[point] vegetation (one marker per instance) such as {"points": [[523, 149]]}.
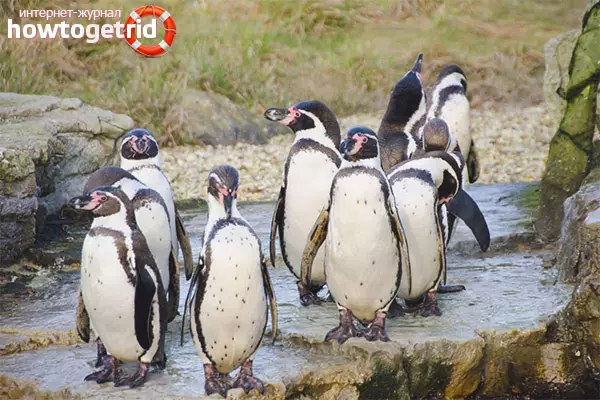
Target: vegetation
{"points": [[348, 53]]}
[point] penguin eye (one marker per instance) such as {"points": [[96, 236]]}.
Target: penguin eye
{"points": [[103, 198]]}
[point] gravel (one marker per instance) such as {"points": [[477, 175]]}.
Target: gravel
{"points": [[512, 144]]}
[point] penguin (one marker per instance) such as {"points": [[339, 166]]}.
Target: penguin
{"points": [[447, 100], [311, 164], [121, 287], [140, 157], [230, 292], [419, 186], [403, 118], [153, 221], [365, 244]]}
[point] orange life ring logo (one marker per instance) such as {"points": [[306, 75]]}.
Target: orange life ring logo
{"points": [[135, 17]]}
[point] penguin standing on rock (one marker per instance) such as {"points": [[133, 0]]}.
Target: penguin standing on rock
{"points": [[230, 291], [153, 221], [420, 186], [365, 248], [404, 116], [308, 172], [121, 287], [139, 156], [447, 100]]}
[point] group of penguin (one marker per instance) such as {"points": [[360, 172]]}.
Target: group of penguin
{"points": [[368, 214]]}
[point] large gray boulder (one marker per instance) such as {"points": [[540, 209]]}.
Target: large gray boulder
{"points": [[206, 118], [48, 147]]}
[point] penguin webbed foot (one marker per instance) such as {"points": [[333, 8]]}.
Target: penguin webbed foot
{"points": [[451, 288], [307, 296], [109, 373], [376, 329], [345, 330], [429, 306], [135, 380], [246, 380], [395, 310], [215, 381], [100, 353]]}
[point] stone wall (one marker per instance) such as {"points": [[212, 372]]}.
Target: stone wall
{"points": [[48, 147]]}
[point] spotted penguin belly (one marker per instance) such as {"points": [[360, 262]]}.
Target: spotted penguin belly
{"points": [[233, 309], [308, 182], [108, 296], [361, 269]]}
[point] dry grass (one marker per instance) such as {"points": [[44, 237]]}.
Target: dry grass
{"points": [[348, 53]]}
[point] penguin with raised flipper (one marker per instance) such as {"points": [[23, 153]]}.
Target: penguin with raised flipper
{"points": [[403, 118], [309, 169], [140, 156], [447, 100], [121, 287], [420, 186], [230, 292], [153, 220], [365, 247]]}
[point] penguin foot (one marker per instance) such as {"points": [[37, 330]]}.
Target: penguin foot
{"points": [[247, 381], [376, 329], [136, 379], [307, 297], [395, 310], [214, 381], [109, 373], [451, 288], [345, 330], [429, 306], [100, 353]]}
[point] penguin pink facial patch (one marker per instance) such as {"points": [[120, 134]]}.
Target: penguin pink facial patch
{"points": [[359, 140], [136, 144], [293, 115]]}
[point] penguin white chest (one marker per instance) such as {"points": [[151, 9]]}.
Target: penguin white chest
{"points": [[415, 202], [309, 178], [361, 256], [108, 294], [154, 224], [455, 112], [232, 311]]}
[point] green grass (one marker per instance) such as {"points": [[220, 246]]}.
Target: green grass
{"points": [[347, 53]]}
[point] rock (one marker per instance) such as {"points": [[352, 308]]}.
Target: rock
{"points": [[48, 147], [212, 119], [571, 149]]}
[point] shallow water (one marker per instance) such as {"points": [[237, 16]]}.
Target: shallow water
{"points": [[505, 290]]}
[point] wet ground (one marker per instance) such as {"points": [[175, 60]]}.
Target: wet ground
{"points": [[507, 288]]}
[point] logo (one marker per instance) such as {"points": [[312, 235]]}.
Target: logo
{"points": [[132, 31], [163, 16]]}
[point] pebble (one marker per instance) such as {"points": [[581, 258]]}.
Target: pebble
{"points": [[512, 144]]}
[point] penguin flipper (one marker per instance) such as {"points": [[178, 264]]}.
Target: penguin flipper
{"points": [[316, 237], [173, 302], [441, 249], [464, 207], [276, 223], [82, 320], [473, 163], [186, 247], [190, 294], [400, 235], [271, 295], [145, 289]]}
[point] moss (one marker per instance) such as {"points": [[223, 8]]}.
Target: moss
{"points": [[15, 165], [387, 382], [13, 389], [39, 340]]}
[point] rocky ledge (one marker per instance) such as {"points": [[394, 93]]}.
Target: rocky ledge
{"points": [[48, 147]]}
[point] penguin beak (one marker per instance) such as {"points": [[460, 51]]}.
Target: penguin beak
{"points": [[464, 207], [83, 203], [228, 202], [417, 66], [276, 114], [346, 147]]}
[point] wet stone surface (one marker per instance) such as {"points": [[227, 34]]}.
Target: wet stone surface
{"points": [[505, 290]]}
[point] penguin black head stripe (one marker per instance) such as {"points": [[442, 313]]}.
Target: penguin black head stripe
{"points": [[453, 69], [139, 144], [359, 143], [307, 115], [106, 176], [223, 182], [103, 201], [436, 135]]}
